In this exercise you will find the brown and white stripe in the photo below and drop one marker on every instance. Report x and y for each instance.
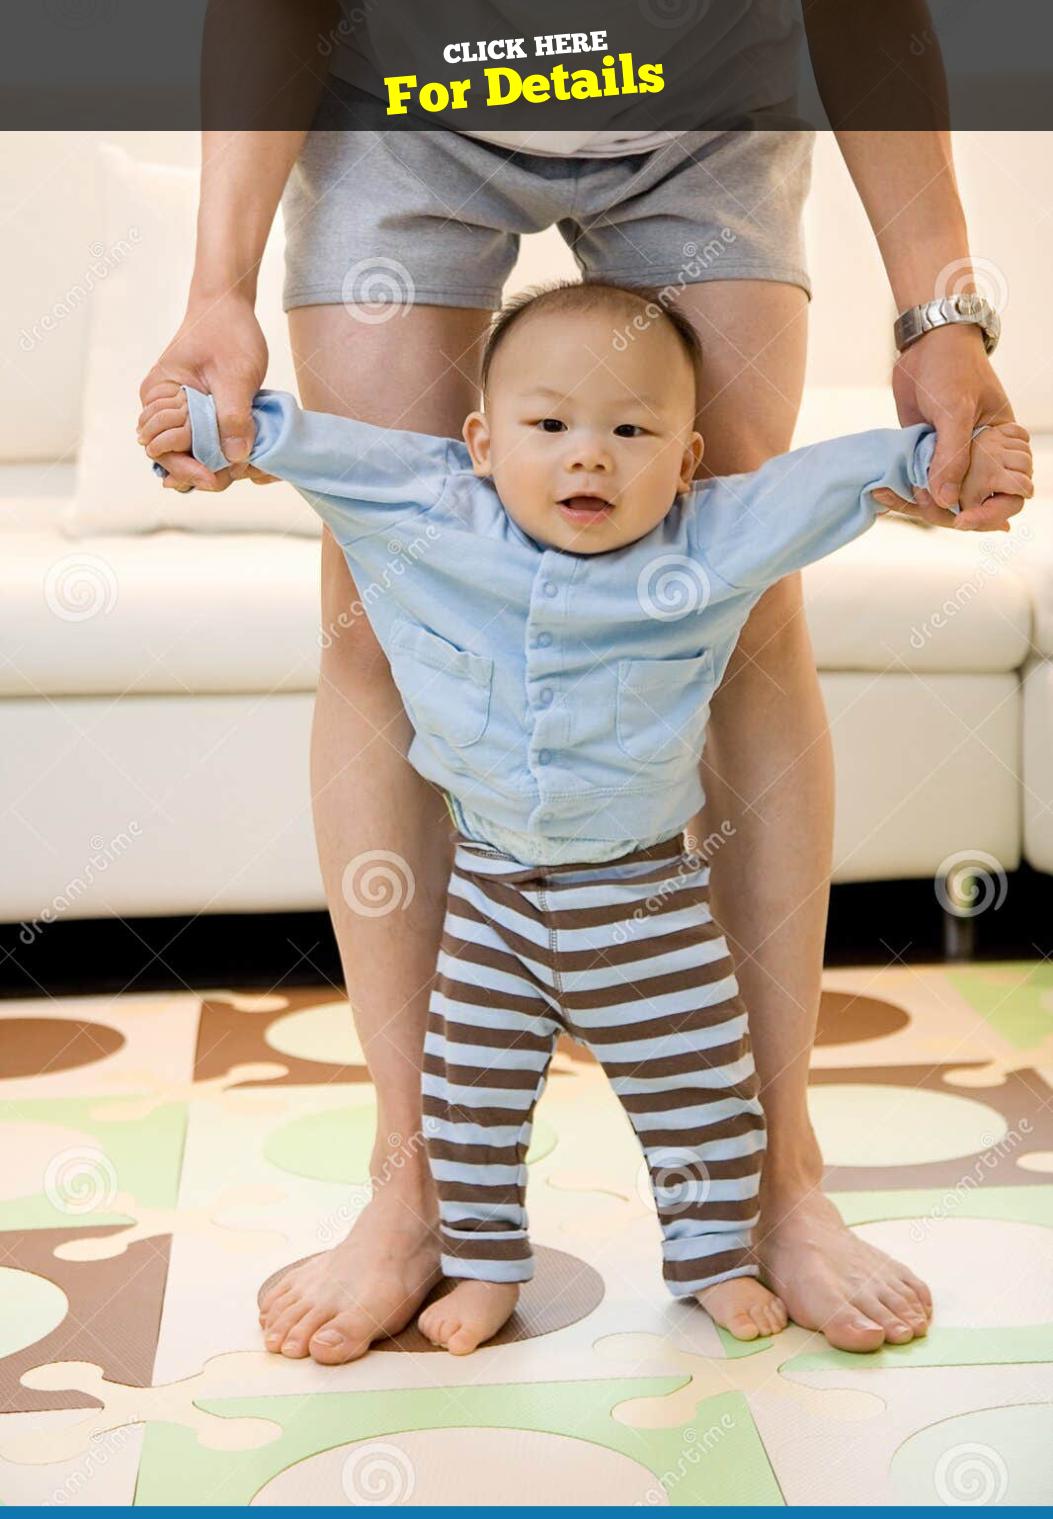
(626, 957)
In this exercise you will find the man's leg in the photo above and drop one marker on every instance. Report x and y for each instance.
(416, 371)
(768, 769)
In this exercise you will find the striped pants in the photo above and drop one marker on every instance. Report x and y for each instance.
(625, 956)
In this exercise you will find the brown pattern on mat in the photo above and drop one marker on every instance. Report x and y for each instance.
(849, 1018)
(39, 1046)
(113, 1319)
(1023, 1097)
(227, 1037)
(563, 1291)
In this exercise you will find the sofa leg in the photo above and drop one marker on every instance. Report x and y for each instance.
(959, 937)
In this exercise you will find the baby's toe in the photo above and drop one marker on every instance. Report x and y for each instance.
(461, 1341)
(742, 1326)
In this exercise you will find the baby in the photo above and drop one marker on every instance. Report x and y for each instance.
(559, 598)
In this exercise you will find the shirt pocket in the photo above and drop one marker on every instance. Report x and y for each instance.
(446, 689)
(662, 706)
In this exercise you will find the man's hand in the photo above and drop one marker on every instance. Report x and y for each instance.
(999, 468)
(946, 379)
(164, 431)
(220, 349)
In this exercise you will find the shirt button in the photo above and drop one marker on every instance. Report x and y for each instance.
(550, 589)
(545, 695)
(543, 756)
(543, 640)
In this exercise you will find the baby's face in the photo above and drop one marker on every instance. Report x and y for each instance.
(587, 446)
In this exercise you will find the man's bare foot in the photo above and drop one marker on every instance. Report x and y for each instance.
(470, 1314)
(831, 1280)
(743, 1307)
(368, 1286)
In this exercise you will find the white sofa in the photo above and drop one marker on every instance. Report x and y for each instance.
(154, 754)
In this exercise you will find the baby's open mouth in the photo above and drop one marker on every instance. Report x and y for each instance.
(586, 504)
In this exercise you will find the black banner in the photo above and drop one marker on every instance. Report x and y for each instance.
(526, 65)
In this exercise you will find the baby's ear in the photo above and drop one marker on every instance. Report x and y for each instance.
(476, 434)
(692, 458)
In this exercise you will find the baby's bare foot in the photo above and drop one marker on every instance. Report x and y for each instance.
(470, 1314)
(743, 1307)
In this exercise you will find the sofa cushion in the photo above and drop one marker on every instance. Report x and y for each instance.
(918, 598)
(165, 612)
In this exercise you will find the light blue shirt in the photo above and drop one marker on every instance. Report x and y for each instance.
(560, 700)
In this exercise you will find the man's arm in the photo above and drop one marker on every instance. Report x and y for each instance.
(255, 52)
(907, 184)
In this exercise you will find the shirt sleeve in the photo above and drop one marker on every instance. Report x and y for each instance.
(359, 478)
(753, 529)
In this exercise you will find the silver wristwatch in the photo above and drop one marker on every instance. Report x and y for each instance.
(916, 321)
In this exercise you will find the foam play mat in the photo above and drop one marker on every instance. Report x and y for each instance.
(165, 1155)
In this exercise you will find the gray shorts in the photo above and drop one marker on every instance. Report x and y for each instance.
(436, 217)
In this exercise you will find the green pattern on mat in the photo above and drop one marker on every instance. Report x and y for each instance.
(1015, 997)
(730, 1468)
(145, 1155)
(32, 1308)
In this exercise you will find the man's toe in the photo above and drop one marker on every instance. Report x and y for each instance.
(276, 1302)
(276, 1290)
(904, 1309)
(895, 1330)
(274, 1335)
(851, 1329)
(299, 1336)
(340, 1339)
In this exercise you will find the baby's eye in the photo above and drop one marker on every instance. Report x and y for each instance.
(551, 424)
(628, 430)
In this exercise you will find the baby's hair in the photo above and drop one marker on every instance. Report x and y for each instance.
(636, 305)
